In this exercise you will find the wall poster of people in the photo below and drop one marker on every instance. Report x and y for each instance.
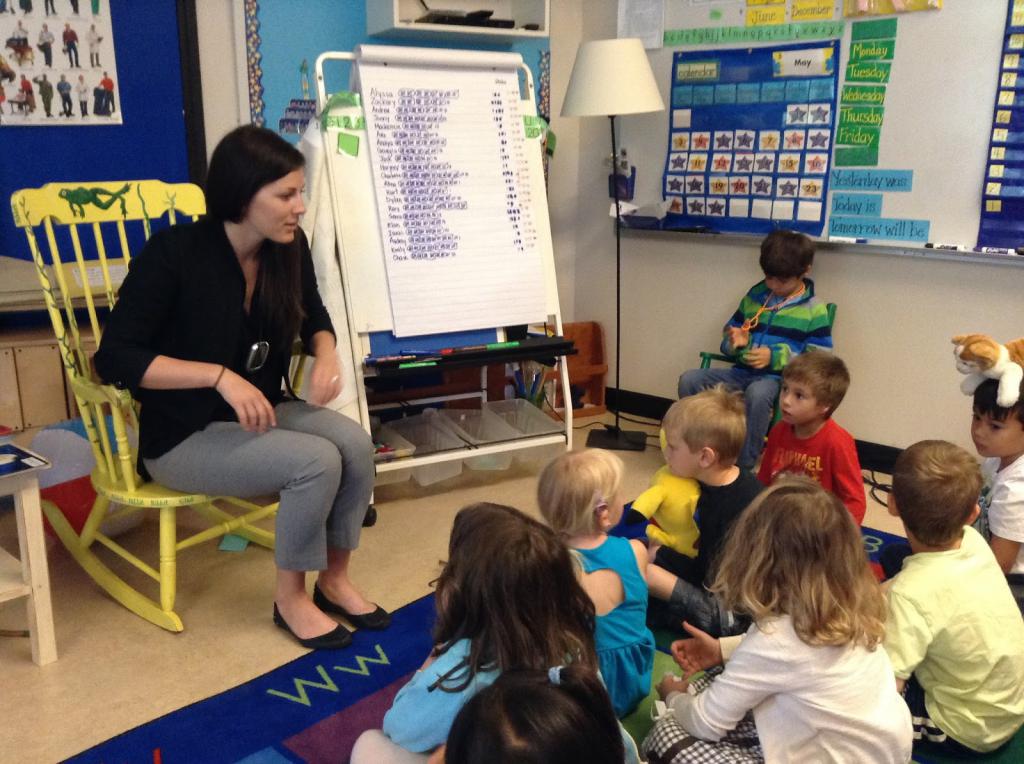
(57, 63)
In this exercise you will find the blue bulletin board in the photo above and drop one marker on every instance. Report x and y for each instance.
(750, 138)
(151, 142)
(1002, 205)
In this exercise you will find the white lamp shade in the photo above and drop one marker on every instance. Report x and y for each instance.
(611, 77)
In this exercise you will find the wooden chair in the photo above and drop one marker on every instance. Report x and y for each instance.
(87, 277)
(707, 357)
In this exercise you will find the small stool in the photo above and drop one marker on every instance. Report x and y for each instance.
(30, 576)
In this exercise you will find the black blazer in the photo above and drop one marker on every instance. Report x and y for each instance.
(183, 297)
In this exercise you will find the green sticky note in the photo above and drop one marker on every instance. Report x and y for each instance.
(873, 30)
(854, 116)
(871, 95)
(232, 542)
(857, 136)
(856, 156)
(872, 50)
(532, 126)
(348, 144)
(868, 71)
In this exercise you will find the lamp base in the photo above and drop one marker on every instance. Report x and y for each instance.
(615, 439)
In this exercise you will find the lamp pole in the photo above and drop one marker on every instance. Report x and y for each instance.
(613, 437)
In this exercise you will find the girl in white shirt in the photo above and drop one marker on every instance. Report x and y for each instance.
(810, 668)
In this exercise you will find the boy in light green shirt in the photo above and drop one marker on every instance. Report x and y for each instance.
(954, 634)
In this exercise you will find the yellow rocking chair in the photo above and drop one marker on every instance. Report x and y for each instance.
(121, 210)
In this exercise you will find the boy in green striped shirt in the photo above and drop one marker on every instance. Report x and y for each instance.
(777, 319)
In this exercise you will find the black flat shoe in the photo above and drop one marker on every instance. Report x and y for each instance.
(375, 621)
(333, 640)
(370, 518)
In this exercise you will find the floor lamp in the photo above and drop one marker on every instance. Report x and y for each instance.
(611, 78)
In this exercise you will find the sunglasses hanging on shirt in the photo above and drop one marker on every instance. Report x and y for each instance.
(257, 356)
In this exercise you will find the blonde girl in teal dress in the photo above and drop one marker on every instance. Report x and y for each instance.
(579, 498)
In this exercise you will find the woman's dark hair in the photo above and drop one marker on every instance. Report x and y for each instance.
(510, 588)
(524, 718)
(246, 160)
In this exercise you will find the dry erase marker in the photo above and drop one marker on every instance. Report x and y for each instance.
(951, 247)
(500, 345)
(846, 240)
(995, 251)
(416, 364)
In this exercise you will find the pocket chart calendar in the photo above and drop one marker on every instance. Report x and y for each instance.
(750, 138)
(1002, 209)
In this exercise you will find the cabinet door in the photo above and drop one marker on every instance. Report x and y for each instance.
(41, 382)
(10, 404)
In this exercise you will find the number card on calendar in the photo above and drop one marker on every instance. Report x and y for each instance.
(750, 138)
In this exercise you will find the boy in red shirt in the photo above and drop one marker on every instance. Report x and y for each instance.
(808, 441)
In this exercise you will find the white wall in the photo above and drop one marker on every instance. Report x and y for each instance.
(563, 171)
(895, 315)
(222, 68)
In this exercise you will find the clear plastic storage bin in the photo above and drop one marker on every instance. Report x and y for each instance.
(429, 435)
(399, 448)
(480, 427)
(527, 419)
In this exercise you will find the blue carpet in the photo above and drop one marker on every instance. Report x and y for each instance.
(296, 713)
(311, 709)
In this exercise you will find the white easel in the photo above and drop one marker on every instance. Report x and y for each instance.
(361, 250)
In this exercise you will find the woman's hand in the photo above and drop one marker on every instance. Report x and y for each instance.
(701, 652)
(325, 379)
(254, 411)
(671, 683)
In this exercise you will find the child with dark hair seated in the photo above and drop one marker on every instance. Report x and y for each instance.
(563, 714)
(998, 434)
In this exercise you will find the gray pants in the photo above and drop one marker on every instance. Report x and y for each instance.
(320, 462)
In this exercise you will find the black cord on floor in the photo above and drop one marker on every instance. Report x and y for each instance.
(875, 486)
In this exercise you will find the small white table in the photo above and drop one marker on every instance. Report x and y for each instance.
(30, 576)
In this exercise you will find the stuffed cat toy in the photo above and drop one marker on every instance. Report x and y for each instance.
(980, 358)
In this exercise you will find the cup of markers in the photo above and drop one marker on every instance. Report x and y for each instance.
(532, 391)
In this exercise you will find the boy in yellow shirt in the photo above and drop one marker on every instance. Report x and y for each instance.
(954, 634)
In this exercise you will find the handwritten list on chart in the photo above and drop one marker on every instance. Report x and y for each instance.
(452, 178)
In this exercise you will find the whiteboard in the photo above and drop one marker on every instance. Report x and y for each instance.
(451, 169)
(937, 122)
